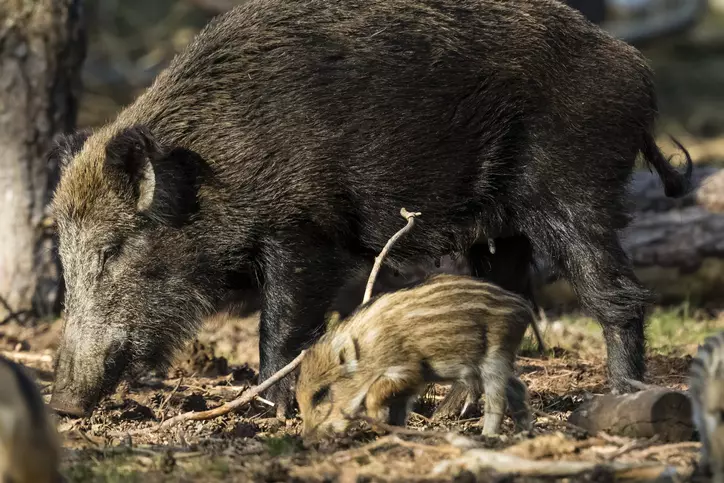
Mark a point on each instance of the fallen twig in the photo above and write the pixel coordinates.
(224, 408)
(634, 445)
(398, 430)
(394, 439)
(12, 315)
(644, 453)
(563, 423)
(478, 460)
(379, 258)
(168, 398)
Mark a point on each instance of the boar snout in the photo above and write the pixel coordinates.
(88, 370)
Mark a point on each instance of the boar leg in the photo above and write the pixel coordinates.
(510, 268)
(602, 276)
(298, 289)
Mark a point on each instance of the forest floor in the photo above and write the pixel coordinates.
(251, 445)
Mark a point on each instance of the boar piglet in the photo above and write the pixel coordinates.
(448, 328)
(29, 450)
(706, 389)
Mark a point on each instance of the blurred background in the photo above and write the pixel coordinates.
(130, 41)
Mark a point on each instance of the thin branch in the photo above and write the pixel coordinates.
(398, 430)
(168, 398)
(391, 440)
(477, 460)
(566, 424)
(12, 315)
(224, 408)
(379, 258)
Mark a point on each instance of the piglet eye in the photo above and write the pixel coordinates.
(320, 395)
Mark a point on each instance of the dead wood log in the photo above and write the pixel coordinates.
(663, 412)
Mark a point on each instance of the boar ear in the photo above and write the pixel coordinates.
(163, 183)
(347, 350)
(65, 147)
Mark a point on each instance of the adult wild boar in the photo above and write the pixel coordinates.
(277, 150)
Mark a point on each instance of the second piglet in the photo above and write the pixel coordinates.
(446, 329)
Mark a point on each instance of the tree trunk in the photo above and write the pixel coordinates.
(42, 48)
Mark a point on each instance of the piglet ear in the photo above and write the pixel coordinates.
(162, 182)
(65, 147)
(347, 350)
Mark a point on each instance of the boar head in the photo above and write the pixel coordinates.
(136, 281)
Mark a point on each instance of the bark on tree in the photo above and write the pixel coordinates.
(42, 48)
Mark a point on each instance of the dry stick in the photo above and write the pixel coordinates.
(391, 440)
(11, 314)
(379, 258)
(163, 404)
(476, 460)
(224, 408)
(397, 429)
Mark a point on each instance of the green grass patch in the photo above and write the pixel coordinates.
(670, 330)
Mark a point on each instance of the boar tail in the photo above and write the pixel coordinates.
(676, 184)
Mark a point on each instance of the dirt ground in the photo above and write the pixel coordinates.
(251, 445)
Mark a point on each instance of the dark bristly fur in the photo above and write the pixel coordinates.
(29, 450)
(276, 151)
(706, 388)
(448, 328)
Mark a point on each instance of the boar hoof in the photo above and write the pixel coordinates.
(64, 407)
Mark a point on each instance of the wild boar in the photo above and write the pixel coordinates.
(706, 389)
(448, 328)
(275, 152)
(29, 449)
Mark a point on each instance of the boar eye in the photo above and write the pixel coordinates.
(107, 253)
(320, 395)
